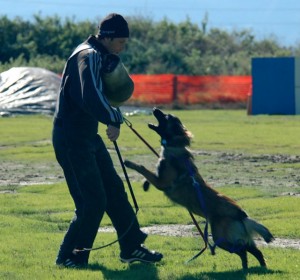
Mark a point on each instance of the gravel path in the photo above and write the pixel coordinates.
(189, 231)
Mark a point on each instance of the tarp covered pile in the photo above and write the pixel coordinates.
(28, 90)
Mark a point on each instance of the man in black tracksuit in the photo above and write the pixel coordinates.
(89, 172)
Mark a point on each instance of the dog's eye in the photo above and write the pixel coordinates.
(177, 121)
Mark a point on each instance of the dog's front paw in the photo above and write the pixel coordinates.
(146, 186)
(129, 164)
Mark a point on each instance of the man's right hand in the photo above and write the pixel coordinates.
(112, 132)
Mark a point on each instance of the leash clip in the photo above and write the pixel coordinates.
(128, 123)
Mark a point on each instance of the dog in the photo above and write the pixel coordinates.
(178, 177)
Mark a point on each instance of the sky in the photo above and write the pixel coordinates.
(278, 19)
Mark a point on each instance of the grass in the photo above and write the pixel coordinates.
(28, 137)
(33, 219)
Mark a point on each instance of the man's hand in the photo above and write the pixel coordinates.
(112, 132)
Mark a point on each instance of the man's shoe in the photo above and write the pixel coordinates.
(71, 262)
(141, 254)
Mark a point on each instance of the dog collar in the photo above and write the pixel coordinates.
(164, 142)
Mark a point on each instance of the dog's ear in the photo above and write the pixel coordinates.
(189, 134)
(181, 140)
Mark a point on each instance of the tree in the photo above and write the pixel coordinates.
(154, 47)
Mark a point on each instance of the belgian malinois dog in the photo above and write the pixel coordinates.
(178, 177)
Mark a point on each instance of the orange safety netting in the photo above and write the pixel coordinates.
(168, 88)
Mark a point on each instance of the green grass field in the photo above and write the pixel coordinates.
(255, 160)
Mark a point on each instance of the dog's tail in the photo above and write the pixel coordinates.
(254, 227)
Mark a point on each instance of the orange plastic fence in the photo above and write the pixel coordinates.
(168, 88)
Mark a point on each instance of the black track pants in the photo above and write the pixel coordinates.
(95, 188)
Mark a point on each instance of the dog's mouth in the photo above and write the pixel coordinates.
(161, 118)
(170, 129)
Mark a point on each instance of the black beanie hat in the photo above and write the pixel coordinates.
(114, 26)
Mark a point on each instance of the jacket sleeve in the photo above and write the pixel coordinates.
(93, 98)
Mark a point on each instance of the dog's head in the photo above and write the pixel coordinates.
(170, 129)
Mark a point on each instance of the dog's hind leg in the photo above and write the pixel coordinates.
(252, 249)
(237, 249)
(243, 255)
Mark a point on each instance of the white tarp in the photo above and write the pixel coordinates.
(27, 90)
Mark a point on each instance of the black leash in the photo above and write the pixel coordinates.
(129, 124)
(127, 178)
(204, 236)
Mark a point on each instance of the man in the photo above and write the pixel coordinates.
(89, 172)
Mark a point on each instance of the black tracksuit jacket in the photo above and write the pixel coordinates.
(81, 101)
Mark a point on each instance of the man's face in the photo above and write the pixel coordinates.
(115, 45)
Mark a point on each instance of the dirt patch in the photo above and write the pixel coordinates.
(217, 168)
(14, 174)
(276, 173)
(190, 231)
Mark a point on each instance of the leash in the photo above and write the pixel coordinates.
(133, 199)
(127, 178)
(203, 235)
(129, 124)
(204, 209)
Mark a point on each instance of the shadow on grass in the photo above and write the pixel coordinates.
(134, 271)
(232, 275)
(149, 271)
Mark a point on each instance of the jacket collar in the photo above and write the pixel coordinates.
(92, 40)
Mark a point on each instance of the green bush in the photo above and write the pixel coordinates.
(154, 47)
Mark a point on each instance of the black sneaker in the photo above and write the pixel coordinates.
(69, 263)
(141, 254)
(72, 262)
(59, 261)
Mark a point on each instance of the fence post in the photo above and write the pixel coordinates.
(175, 97)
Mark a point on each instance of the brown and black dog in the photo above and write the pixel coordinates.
(178, 177)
